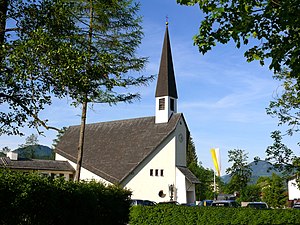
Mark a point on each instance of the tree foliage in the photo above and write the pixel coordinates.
(26, 85)
(285, 107)
(240, 170)
(286, 103)
(269, 28)
(191, 155)
(30, 140)
(251, 193)
(205, 189)
(53, 50)
(269, 31)
(30, 198)
(106, 37)
(274, 193)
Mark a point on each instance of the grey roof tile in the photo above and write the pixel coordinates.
(166, 85)
(189, 175)
(113, 149)
(35, 164)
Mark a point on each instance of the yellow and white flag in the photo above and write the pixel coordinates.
(215, 153)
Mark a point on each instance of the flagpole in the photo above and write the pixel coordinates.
(214, 185)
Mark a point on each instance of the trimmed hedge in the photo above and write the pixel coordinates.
(183, 215)
(36, 200)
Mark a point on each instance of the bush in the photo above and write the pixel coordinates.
(183, 215)
(33, 199)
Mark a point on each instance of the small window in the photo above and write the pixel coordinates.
(156, 173)
(172, 104)
(161, 104)
(151, 172)
(161, 173)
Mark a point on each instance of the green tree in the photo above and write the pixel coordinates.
(251, 193)
(191, 155)
(286, 108)
(29, 147)
(58, 137)
(80, 49)
(269, 28)
(106, 37)
(282, 157)
(26, 86)
(240, 170)
(274, 193)
(204, 190)
(31, 140)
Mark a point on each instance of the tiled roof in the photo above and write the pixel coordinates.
(166, 85)
(189, 175)
(35, 164)
(113, 149)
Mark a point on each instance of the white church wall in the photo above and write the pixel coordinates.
(294, 192)
(84, 173)
(147, 187)
(180, 187)
(162, 116)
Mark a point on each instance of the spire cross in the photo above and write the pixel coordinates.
(167, 20)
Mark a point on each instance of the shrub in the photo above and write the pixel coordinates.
(33, 199)
(183, 215)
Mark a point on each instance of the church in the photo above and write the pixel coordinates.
(145, 155)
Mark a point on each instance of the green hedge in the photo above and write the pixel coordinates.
(36, 200)
(183, 215)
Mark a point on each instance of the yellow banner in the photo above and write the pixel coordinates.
(215, 157)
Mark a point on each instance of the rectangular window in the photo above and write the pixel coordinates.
(172, 104)
(156, 173)
(161, 103)
(151, 172)
(161, 173)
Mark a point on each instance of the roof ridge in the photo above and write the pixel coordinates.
(116, 121)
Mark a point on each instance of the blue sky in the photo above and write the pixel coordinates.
(223, 97)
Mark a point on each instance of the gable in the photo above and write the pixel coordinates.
(113, 149)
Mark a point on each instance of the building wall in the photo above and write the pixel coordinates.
(146, 186)
(171, 153)
(162, 162)
(294, 192)
(181, 143)
(162, 116)
(180, 186)
(84, 173)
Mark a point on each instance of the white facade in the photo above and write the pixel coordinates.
(293, 189)
(169, 107)
(84, 173)
(171, 153)
(151, 180)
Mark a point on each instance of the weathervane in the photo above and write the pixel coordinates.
(167, 20)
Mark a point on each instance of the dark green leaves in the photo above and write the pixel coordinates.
(273, 26)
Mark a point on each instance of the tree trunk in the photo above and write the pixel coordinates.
(81, 141)
(84, 104)
(3, 12)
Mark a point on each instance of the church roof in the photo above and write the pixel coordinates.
(189, 175)
(112, 150)
(35, 164)
(166, 85)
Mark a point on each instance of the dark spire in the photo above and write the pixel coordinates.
(166, 85)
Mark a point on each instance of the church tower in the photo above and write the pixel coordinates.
(166, 92)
